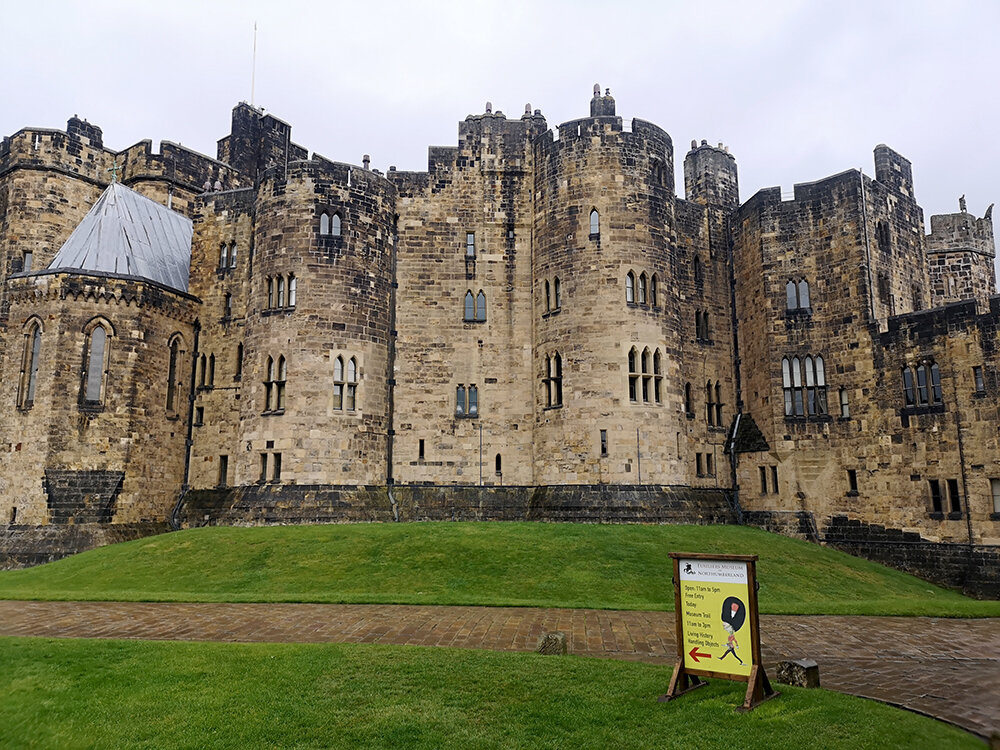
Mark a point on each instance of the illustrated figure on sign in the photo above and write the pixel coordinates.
(734, 614)
(688, 568)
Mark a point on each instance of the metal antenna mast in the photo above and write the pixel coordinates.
(253, 67)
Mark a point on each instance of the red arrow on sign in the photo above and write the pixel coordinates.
(697, 655)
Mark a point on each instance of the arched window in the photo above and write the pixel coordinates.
(95, 363)
(646, 374)
(281, 291)
(335, 225)
(883, 236)
(239, 362)
(595, 222)
(936, 395)
(548, 298)
(630, 287)
(710, 403)
(324, 223)
(223, 255)
(687, 399)
(292, 285)
(553, 380)
(29, 366)
(791, 296)
(279, 384)
(557, 290)
(232, 254)
(498, 464)
(173, 365)
(459, 400)
(657, 377)
(470, 306)
(922, 384)
(481, 306)
(845, 409)
(797, 387)
(820, 377)
(786, 382)
(641, 296)
(211, 370)
(633, 375)
(473, 401)
(269, 385)
(698, 274)
(718, 404)
(803, 293)
(203, 371)
(653, 300)
(270, 292)
(338, 383)
(351, 394)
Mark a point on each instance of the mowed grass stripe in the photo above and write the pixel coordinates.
(493, 564)
(128, 694)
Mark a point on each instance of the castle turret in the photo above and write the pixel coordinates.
(710, 176)
(602, 106)
(960, 253)
(893, 170)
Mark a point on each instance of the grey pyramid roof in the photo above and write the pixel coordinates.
(128, 234)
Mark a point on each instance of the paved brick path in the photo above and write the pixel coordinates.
(944, 668)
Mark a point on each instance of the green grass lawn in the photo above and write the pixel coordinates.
(517, 564)
(125, 694)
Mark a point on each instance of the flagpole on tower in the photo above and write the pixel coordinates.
(253, 68)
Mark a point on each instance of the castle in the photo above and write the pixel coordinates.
(535, 327)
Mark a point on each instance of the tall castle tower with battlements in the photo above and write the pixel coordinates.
(536, 327)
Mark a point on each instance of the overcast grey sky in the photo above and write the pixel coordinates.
(798, 90)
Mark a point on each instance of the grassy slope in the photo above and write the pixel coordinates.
(561, 565)
(71, 693)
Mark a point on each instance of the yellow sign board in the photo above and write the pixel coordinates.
(717, 630)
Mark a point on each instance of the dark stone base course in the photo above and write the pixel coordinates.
(303, 504)
(82, 496)
(975, 569)
(799, 524)
(24, 546)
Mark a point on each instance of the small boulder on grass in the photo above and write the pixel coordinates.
(552, 643)
(798, 672)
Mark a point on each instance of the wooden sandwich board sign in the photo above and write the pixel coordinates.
(718, 631)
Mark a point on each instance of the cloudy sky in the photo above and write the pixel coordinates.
(798, 90)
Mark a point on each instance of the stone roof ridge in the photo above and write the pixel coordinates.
(129, 234)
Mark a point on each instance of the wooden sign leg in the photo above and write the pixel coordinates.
(681, 683)
(758, 689)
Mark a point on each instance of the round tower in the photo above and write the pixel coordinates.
(710, 176)
(315, 401)
(607, 321)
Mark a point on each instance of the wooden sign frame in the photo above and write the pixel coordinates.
(685, 679)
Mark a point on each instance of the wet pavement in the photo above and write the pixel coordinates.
(947, 668)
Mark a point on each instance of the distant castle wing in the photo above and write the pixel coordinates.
(128, 234)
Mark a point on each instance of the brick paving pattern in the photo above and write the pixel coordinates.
(941, 667)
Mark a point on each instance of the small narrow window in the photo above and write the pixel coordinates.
(338, 383)
(94, 376)
(921, 384)
(227, 306)
(633, 375)
(203, 372)
(239, 362)
(335, 225)
(498, 465)
(687, 399)
(223, 255)
(774, 479)
(995, 491)
(269, 385)
(555, 379)
(199, 416)
(791, 298)
(698, 465)
(710, 404)
(936, 395)
(324, 223)
(699, 276)
(763, 479)
(420, 450)
(630, 287)
(954, 499)
(281, 291)
(797, 387)
(460, 401)
(604, 446)
(270, 292)
(595, 223)
(977, 375)
(786, 382)
(803, 293)
(352, 384)
(473, 401)
(710, 464)
(280, 383)
(718, 404)
(232, 255)
(653, 300)
(909, 395)
(211, 370)
(292, 289)
(642, 289)
(172, 365)
(27, 261)
(276, 474)
(937, 505)
(657, 377)
(29, 367)
(548, 297)
(470, 306)
(470, 244)
(481, 306)
(845, 409)
(646, 377)
(223, 471)
(852, 482)
(263, 467)
(557, 289)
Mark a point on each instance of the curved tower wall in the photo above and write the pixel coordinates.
(628, 178)
(343, 286)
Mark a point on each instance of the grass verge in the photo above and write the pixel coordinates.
(497, 564)
(131, 694)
